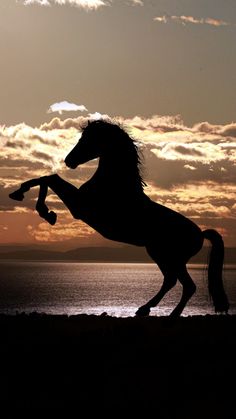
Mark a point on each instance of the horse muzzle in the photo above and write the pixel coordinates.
(70, 164)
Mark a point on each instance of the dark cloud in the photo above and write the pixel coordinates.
(17, 144)
(188, 151)
(6, 204)
(25, 165)
(41, 156)
(167, 174)
(46, 141)
(228, 130)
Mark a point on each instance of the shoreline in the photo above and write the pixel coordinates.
(55, 363)
(190, 265)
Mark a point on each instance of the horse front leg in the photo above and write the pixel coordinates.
(64, 190)
(18, 195)
(41, 207)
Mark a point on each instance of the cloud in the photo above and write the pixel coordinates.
(65, 229)
(29, 152)
(188, 150)
(184, 20)
(40, 2)
(85, 4)
(41, 156)
(227, 130)
(170, 147)
(174, 154)
(188, 168)
(65, 106)
(72, 123)
(66, 124)
(137, 2)
(157, 123)
(97, 115)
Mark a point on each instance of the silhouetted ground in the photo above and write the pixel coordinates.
(82, 366)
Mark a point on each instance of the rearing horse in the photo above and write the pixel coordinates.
(113, 203)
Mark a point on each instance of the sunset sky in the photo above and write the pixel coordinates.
(165, 68)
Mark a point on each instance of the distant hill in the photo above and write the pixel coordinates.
(124, 253)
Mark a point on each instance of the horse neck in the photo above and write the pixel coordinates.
(118, 173)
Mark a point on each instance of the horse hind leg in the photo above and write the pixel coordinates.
(170, 279)
(189, 289)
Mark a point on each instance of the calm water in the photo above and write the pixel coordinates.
(92, 288)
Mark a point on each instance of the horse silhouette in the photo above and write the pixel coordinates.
(113, 203)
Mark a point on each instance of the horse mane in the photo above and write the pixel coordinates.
(116, 135)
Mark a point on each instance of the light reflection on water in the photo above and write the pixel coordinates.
(94, 288)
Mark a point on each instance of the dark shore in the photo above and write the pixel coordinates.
(79, 366)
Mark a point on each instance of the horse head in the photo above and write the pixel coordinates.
(86, 149)
(112, 143)
(90, 145)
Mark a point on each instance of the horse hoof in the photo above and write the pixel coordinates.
(143, 311)
(51, 217)
(17, 195)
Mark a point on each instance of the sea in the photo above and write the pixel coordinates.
(117, 289)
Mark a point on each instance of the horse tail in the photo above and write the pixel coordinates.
(215, 269)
